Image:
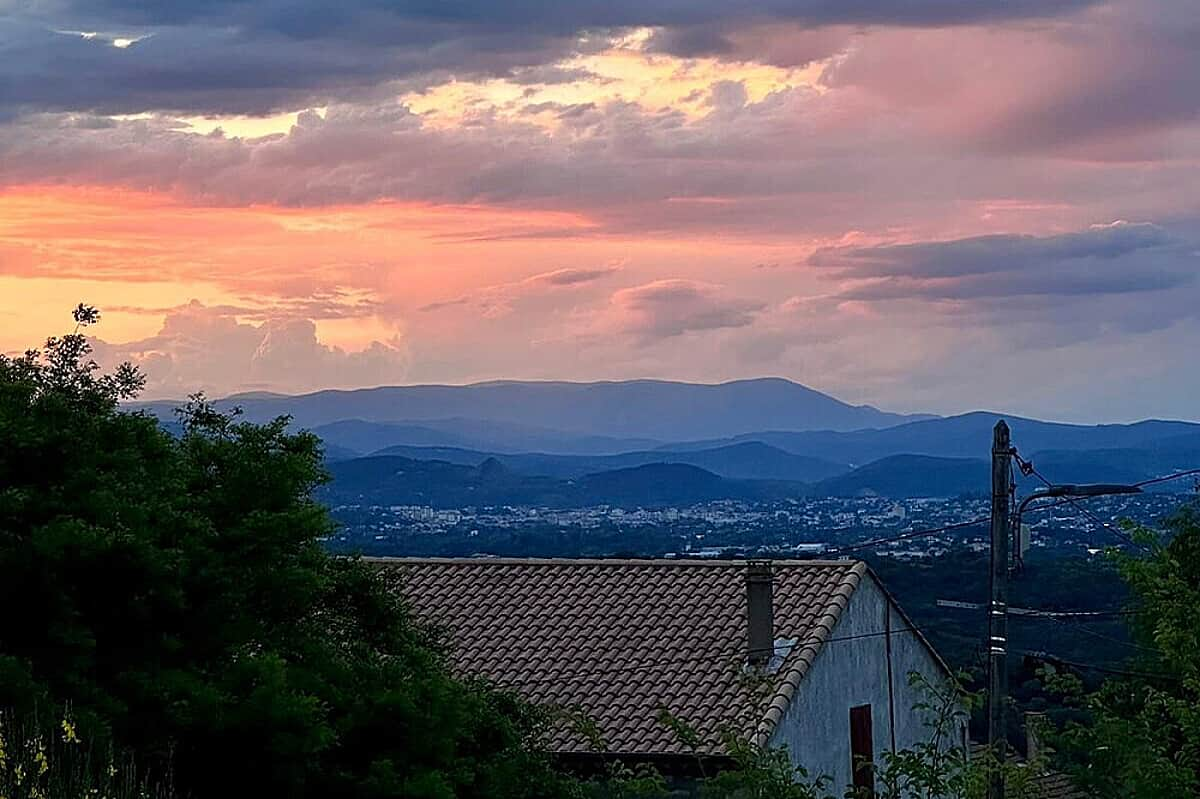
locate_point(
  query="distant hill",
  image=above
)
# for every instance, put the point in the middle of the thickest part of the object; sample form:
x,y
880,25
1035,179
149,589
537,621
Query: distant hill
x,y
365,437
1120,465
395,480
335,453
968,435
751,460
647,409
668,484
902,476
392,480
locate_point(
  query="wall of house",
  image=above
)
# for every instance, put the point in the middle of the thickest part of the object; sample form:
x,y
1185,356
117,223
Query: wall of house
x,y
847,673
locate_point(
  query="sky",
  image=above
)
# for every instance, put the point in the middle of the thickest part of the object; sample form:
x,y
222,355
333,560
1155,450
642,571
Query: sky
x,y
935,205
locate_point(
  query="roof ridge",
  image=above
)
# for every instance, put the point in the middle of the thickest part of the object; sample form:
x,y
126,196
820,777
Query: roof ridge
x,y
678,562
807,652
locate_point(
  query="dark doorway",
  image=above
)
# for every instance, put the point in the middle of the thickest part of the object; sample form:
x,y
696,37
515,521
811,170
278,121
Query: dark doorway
x,y
862,751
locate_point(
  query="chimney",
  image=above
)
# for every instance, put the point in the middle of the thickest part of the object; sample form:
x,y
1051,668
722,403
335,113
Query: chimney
x,y
1034,723
760,613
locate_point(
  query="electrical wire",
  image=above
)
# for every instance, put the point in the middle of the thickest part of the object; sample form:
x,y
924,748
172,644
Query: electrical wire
x,y
1103,637
907,536
726,653
982,519
1065,615
582,673
1036,613
1058,616
930,532
1165,478
1049,658
1028,468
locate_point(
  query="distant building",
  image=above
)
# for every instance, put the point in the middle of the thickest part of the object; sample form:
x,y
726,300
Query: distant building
x,y
808,655
808,549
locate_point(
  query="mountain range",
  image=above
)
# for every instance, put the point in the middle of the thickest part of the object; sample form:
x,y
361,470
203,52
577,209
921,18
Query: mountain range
x,y
657,442
646,409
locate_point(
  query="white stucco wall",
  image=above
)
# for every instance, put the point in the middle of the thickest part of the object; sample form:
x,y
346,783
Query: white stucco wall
x,y
816,726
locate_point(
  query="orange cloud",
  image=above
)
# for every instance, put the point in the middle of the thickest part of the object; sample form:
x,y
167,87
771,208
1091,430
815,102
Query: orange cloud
x,y
144,252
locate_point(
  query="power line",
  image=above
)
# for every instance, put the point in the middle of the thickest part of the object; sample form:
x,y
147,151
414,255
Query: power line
x,y
907,536
1064,618
581,673
1063,615
982,519
1112,639
1038,612
1165,478
1049,658
935,530
925,533
1028,468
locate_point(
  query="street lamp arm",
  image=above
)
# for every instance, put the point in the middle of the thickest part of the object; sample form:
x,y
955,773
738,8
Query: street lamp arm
x,y
1092,490
1074,490
1064,490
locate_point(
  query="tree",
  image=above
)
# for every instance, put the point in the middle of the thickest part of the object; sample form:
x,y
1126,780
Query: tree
x,y
174,592
1141,738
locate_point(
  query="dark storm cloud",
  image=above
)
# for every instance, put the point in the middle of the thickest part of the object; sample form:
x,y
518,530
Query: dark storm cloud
x,y
363,18
1120,258
235,56
999,253
227,70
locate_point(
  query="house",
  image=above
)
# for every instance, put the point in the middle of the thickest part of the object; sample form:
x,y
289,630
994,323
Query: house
x,y
805,654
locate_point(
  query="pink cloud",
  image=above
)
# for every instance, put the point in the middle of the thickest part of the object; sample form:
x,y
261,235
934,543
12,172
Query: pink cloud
x,y
208,349
664,309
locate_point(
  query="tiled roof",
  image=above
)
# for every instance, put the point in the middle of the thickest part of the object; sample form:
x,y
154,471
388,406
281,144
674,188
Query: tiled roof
x,y
620,639
1055,785
1050,784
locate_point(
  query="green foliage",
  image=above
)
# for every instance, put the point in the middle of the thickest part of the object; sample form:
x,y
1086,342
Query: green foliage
x,y
623,781
938,767
762,772
175,592
43,761
1142,734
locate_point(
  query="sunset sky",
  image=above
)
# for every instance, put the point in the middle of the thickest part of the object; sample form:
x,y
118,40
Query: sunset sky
x,y
929,205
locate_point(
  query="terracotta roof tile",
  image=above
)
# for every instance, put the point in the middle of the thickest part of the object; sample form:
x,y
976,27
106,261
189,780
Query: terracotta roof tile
x,y
619,639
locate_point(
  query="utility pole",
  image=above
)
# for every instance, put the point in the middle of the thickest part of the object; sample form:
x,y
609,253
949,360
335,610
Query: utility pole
x,y
998,608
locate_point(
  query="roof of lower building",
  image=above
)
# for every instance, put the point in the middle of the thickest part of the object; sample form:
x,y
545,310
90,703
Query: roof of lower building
x,y
614,642
1047,784
1056,785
